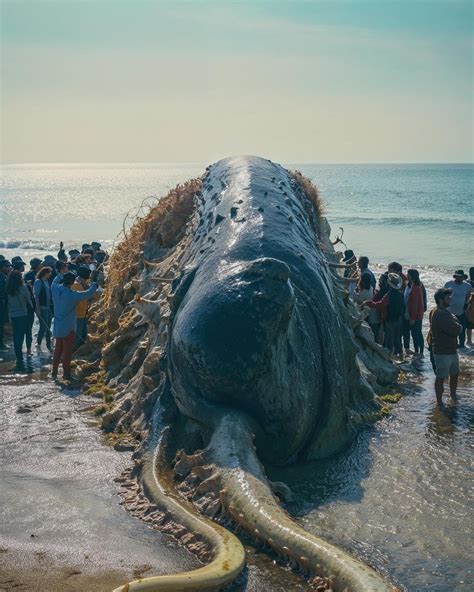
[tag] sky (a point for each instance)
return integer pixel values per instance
(295, 81)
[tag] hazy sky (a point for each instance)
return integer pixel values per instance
(316, 81)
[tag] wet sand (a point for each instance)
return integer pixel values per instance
(62, 525)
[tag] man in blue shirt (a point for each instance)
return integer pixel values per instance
(65, 320)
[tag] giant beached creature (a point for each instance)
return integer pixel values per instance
(252, 356)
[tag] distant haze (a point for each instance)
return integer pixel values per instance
(152, 81)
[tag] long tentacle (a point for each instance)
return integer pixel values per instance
(248, 499)
(228, 552)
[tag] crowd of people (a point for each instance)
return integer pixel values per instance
(395, 308)
(57, 292)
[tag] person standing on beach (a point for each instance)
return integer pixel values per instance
(444, 332)
(414, 311)
(42, 291)
(365, 291)
(19, 265)
(470, 313)
(80, 285)
(35, 266)
(391, 310)
(350, 261)
(461, 291)
(19, 305)
(65, 301)
(363, 265)
(5, 268)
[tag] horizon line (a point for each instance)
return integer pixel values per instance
(205, 163)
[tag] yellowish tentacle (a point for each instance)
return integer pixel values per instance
(228, 552)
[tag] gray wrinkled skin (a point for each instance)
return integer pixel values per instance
(256, 324)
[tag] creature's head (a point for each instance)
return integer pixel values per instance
(241, 341)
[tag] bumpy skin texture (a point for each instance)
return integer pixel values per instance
(256, 325)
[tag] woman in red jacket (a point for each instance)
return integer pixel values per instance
(415, 309)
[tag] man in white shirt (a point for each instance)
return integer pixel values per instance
(460, 294)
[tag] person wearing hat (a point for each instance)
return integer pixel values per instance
(461, 290)
(391, 309)
(443, 338)
(5, 268)
(80, 285)
(65, 301)
(35, 265)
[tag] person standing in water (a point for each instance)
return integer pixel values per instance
(444, 332)
(461, 291)
(470, 313)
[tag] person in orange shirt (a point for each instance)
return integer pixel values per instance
(81, 284)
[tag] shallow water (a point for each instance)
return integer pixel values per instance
(401, 497)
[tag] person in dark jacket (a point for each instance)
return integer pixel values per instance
(35, 265)
(363, 265)
(391, 310)
(19, 304)
(444, 332)
(43, 302)
(5, 268)
(19, 265)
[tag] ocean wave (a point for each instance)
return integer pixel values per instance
(404, 221)
(41, 245)
(37, 245)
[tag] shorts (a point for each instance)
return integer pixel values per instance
(446, 365)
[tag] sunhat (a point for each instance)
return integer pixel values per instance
(460, 273)
(395, 281)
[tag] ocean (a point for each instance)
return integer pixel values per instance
(417, 214)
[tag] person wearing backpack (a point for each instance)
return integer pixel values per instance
(391, 308)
